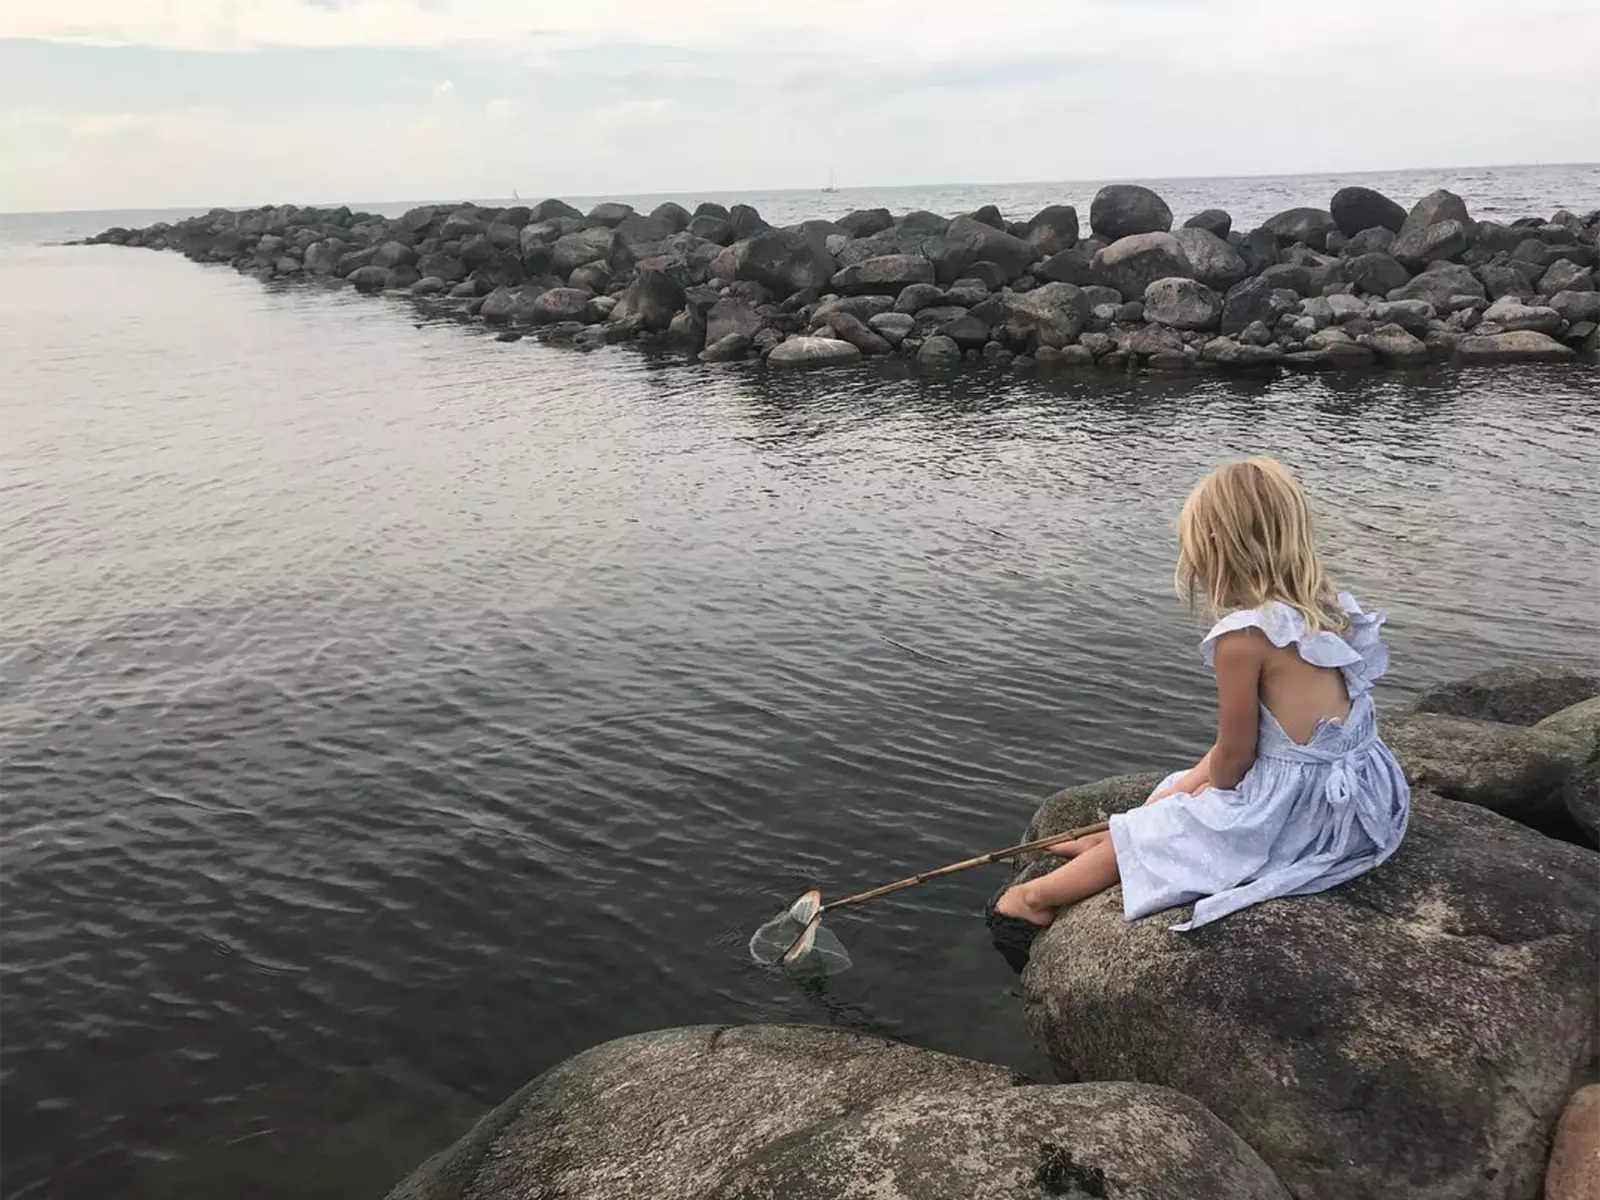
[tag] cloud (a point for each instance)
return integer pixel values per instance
(259, 100)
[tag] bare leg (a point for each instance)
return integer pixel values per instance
(1038, 900)
(1077, 845)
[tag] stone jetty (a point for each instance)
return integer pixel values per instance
(1363, 282)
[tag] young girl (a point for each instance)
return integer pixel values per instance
(1298, 794)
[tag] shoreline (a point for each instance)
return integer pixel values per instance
(1363, 283)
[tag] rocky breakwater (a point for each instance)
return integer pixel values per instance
(1419, 1031)
(1360, 283)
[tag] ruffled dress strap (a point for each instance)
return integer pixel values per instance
(1359, 652)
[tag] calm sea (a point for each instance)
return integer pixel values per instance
(389, 712)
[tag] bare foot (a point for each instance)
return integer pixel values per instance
(1077, 845)
(1013, 904)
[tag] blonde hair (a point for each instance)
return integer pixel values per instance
(1246, 537)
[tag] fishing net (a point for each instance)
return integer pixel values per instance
(824, 955)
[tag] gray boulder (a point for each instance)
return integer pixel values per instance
(1565, 276)
(711, 228)
(1070, 266)
(918, 297)
(1420, 245)
(1051, 315)
(1500, 280)
(609, 214)
(784, 261)
(1582, 797)
(1125, 209)
(1439, 284)
(322, 257)
(938, 351)
(1133, 263)
(1526, 346)
(1182, 304)
(509, 306)
(730, 316)
(1369, 241)
(764, 1111)
(1514, 770)
(1435, 207)
(549, 210)
(651, 300)
(865, 222)
(1228, 352)
(1524, 694)
(564, 304)
(599, 244)
(726, 349)
(1255, 300)
(848, 327)
(1511, 314)
(1214, 221)
(1355, 209)
(1414, 316)
(1308, 225)
(369, 279)
(394, 254)
(1413, 1032)
(892, 327)
(671, 214)
(1577, 306)
(1053, 229)
(1216, 264)
(886, 275)
(1396, 346)
(444, 267)
(812, 352)
(984, 243)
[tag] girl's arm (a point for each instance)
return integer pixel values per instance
(1239, 659)
(1191, 782)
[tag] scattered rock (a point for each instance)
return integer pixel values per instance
(1377, 240)
(893, 327)
(1421, 245)
(1226, 352)
(730, 316)
(1216, 264)
(783, 261)
(1053, 229)
(1214, 221)
(850, 328)
(1435, 207)
(1308, 225)
(919, 296)
(1524, 347)
(1500, 280)
(727, 348)
(1511, 314)
(886, 275)
(1051, 315)
(982, 243)
(1331, 1031)
(1393, 345)
(1182, 304)
(1125, 209)
(1439, 284)
(812, 352)
(939, 351)
(1414, 316)
(1255, 300)
(369, 279)
(1357, 209)
(652, 299)
(1133, 263)
(1070, 266)
(1576, 306)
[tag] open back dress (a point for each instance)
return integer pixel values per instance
(1305, 817)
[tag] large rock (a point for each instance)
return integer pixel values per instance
(784, 261)
(938, 351)
(764, 1111)
(564, 304)
(1051, 315)
(1255, 300)
(1524, 347)
(1524, 694)
(1133, 263)
(983, 243)
(394, 254)
(848, 327)
(1070, 266)
(1565, 276)
(1439, 284)
(865, 222)
(1369, 241)
(1358, 208)
(1216, 264)
(1576, 306)
(1308, 225)
(1215, 221)
(1182, 304)
(599, 244)
(1053, 229)
(1376, 274)
(509, 306)
(550, 210)
(1414, 1032)
(1230, 353)
(1515, 771)
(1074, 1141)
(813, 352)
(1509, 314)
(651, 300)
(729, 316)
(1435, 207)
(1396, 346)
(1582, 798)
(886, 275)
(1421, 245)
(1124, 209)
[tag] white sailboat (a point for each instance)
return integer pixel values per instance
(830, 187)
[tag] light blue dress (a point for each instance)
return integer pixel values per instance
(1303, 819)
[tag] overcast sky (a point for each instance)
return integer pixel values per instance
(152, 103)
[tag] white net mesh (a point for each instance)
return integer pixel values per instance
(771, 942)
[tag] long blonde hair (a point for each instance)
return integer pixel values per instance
(1246, 537)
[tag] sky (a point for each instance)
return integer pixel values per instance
(173, 103)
